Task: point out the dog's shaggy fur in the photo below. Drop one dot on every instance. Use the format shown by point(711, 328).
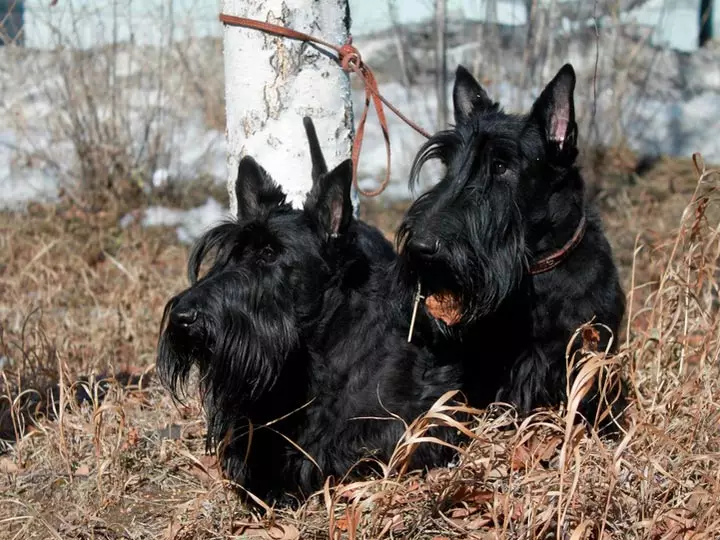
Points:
point(303, 360)
point(511, 196)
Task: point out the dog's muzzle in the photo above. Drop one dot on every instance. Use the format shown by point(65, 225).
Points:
point(423, 248)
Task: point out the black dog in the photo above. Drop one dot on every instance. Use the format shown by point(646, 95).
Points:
point(294, 333)
point(511, 258)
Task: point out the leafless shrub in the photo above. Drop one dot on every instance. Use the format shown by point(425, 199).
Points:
point(104, 119)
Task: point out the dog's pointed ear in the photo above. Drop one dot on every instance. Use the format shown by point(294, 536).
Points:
point(255, 190)
point(554, 111)
point(329, 200)
point(468, 95)
point(316, 156)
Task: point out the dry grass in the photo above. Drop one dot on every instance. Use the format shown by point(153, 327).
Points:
point(79, 296)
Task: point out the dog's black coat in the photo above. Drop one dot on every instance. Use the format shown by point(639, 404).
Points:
point(295, 321)
point(510, 196)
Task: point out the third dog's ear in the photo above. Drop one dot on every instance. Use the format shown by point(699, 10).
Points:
point(329, 200)
point(554, 111)
point(468, 96)
point(316, 156)
point(256, 192)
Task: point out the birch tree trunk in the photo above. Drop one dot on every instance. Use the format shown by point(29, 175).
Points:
point(272, 82)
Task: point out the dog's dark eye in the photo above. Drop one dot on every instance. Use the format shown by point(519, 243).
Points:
point(267, 254)
point(499, 168)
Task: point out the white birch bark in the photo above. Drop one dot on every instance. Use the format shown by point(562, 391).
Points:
point(272, 82)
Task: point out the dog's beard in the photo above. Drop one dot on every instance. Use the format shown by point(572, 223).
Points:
point(492, 278)
point(465, 285)
point(237, 366)
point(246, 359)
point(176, 355)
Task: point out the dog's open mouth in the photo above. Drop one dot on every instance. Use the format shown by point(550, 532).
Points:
point(445, 307)
point(442, 306)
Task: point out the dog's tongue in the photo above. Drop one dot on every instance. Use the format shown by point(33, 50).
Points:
point(444, 307)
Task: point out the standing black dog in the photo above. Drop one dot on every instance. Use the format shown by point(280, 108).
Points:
point(296, 340)
point(508, 253)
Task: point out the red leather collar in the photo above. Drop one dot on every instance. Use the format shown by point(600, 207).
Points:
point(555, 258)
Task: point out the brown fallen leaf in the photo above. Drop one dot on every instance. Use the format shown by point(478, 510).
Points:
point(8, 466)
point(467, 493)
point(173, 531)
point(477, 523)
point(82, 470)
point(395, 523)
point(341, 524)
point(274, 532)
point(520, 458)
point(535, 450)
point(590, 338)
point(460, 512)
point(203, 468)
point(545, 450)
point(132, 438)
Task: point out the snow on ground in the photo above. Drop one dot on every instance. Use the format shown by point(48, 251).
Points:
point(20, 185)
point(189, 224)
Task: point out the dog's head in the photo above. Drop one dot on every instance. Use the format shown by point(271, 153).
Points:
point(241, 320)
point(468, 240)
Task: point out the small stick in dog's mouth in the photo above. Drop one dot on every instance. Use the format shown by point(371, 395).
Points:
point(416, 304)
point(440, 306)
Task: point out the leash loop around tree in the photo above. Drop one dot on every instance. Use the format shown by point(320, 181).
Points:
point(349, 59)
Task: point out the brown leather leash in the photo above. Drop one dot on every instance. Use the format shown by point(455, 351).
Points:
point(349, 59)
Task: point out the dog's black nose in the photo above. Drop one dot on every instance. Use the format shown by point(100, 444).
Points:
point(183, 316)
point(424, 246)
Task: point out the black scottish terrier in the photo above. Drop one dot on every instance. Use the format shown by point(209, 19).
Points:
point(508, 253)
point(301, 357)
